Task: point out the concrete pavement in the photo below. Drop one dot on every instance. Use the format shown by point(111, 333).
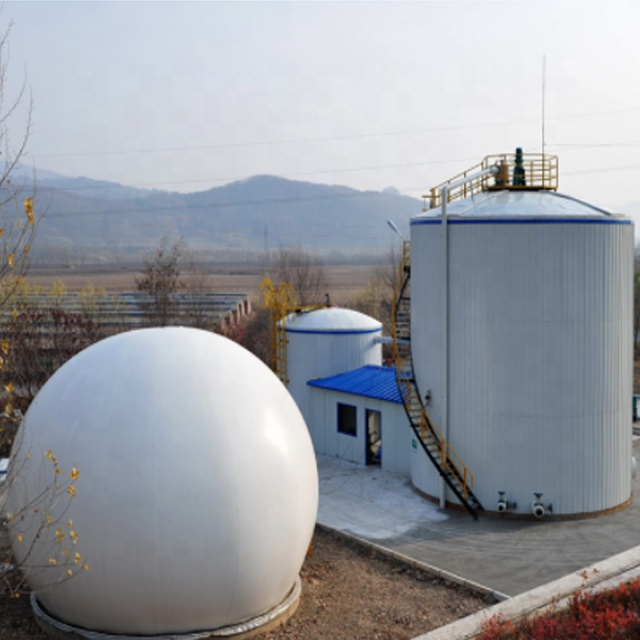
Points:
point(504, 556)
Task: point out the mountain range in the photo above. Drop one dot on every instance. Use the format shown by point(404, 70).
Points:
point(93, 221)
point(90, 220)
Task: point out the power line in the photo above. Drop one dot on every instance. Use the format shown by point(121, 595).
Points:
point(627, 167)
point(596, 145)
point(261, 143)
point(356, 136)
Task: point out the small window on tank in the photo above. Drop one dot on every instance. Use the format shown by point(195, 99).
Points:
point(347, 419)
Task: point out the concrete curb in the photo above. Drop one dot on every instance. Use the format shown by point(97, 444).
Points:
point(602, 575)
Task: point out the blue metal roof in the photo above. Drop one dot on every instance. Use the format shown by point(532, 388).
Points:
point(370, 381)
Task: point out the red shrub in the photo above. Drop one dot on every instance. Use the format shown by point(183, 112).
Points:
point(611, 615)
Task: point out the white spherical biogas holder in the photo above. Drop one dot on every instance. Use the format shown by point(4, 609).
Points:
point(195, 483)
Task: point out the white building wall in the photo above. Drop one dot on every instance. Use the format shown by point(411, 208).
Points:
point(396, 432)
point(396, 438)
point(540, 361)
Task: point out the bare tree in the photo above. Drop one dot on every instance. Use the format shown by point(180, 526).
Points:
point(196, 287)
point(41, 340)
point(17, 228)
point(18, 219)
point(255, 335)
point(17, 206)
point(376, 299)
point(304, 272)
point(159, 282)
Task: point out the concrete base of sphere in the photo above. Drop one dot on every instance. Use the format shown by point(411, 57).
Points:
point(247, 629)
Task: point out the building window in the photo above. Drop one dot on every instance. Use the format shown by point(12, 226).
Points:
point(347, 419)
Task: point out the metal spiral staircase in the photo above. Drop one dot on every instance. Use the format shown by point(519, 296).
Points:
point(438, 450)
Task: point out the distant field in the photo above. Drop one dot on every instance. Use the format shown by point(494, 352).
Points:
point(345, 280)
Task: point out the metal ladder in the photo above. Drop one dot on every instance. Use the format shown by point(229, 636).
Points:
point(439, 451)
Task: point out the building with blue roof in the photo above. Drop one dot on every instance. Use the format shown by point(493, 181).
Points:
point(358, 416)
point(349, 401)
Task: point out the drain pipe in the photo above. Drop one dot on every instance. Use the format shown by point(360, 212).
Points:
point(445, 336)
point(492, 170)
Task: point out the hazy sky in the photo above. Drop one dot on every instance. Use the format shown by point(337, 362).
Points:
point(189, 95)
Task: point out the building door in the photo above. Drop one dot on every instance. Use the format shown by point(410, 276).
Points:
point(374, 436)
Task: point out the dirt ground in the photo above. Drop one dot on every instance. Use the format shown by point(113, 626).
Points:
point(348, 593)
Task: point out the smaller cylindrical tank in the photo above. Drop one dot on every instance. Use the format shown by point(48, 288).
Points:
point(325, 342)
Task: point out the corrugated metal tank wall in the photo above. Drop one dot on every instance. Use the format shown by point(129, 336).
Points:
point(326, 342)
point(540, 355)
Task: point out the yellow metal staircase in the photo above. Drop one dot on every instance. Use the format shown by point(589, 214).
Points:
point(438, 450)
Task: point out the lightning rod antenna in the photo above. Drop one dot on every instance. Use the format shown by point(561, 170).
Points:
point(544, 79)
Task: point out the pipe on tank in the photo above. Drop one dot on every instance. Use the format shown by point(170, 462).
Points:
point(504, 504)
point(537, 507)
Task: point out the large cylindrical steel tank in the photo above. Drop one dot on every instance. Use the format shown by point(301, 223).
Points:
point(325, 342)
point(522, 307)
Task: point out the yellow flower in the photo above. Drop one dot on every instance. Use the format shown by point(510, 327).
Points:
point(10, 260)
point(71, 490)
point(59, 536)
point(85, 567)
point(74, 536)
point(9, 387)
point(53, 561)
point(70, 524)
point(49, 454)
point(74, 473)
point(19, 537)
point(69, 572)
point(4, 346)
point(77, 557)
point(48, 518)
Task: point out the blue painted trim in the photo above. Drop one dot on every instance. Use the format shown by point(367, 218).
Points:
point(520, 221)
point(351, 332)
